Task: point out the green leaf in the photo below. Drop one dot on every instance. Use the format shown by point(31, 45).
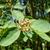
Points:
point(48, 10)
point(27, 49)
point(9, 24)
point(17, 14)
point(40, 25)
point(25, 39)
point(43, 36)
point(2, 6)
point(10, 38)
point(2, 32)
point(28, 34)
point(18, 6)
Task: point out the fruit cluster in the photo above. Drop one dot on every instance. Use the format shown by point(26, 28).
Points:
point(24, 25)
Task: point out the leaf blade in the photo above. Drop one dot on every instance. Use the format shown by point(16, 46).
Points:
point(40, 25)
point(10, 38)
point(43, 36)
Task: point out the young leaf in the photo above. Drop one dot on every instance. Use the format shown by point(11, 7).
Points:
point(10, 38)
point(28, 34)
point(25, 39)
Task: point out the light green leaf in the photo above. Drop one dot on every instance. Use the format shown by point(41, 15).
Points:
point(18, 6)
point(28, 34)
point(40, 25)
point(10, 38)
point(48, 10)
point(27, 49)
point(18, 15)
point(2, 6)
point(9, 24)
point(25, 39)
point(43, 36)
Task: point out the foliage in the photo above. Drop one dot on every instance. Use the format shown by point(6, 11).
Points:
point(15, 26)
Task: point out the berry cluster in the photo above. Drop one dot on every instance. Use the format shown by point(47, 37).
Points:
point(24, 25)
